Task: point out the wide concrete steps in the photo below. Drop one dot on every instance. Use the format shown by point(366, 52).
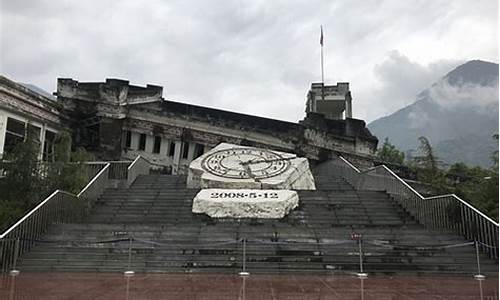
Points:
point(314, 238)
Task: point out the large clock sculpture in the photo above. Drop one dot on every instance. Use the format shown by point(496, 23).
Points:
point(237, 167)
point(245, 163)
point(248, 182)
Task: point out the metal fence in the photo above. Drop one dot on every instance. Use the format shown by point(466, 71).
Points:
point(92, 168)
point(59, 207)
point(62, 207)
point(445, 212)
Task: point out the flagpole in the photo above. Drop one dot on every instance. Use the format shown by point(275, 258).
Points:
point(322, 72)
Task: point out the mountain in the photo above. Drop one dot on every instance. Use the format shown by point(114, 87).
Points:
point(458, 114)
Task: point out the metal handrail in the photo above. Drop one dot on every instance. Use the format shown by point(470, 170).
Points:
point(140, 166)
point(59, 207)
point(18, 239)
point(432, 197)
point(450, 212)
point(32, 212)
point(98, 175)
point(349, 164)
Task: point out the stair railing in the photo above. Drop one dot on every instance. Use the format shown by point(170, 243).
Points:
point(59, 207)
point(140, 166)
point(444, 212)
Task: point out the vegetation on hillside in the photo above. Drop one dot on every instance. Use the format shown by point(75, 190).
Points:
point(390, 154)
point(476, 185)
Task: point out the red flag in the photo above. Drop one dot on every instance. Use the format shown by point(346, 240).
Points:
point(321, 37)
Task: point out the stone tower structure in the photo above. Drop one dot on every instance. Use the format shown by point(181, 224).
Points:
point(330, 101)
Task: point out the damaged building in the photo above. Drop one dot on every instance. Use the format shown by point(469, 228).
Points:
point(22, 109)
point(117, 121)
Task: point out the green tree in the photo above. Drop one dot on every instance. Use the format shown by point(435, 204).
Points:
point(494, 155)
point(28, 181)
point(477, 186)
point(21, 187)
point(22, 181)
point(426, 166)
point(389, 153)
point(67, 171)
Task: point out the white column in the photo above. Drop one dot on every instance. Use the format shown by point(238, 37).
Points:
point(134, 140)
point(164, 146)
point(149, 144)
point(42, 141)
point(3, 129)
point(177, 157)
point(348, 106)
point(191, 152)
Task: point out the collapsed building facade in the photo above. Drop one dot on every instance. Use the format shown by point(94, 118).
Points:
point(117, 121)
point(21, 109)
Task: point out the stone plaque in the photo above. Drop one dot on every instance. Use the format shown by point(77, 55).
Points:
point(245, 203)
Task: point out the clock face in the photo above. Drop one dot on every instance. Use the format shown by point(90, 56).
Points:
point(245, 163)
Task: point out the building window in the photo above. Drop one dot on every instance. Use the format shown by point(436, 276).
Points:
point(142, 142)
point(128, 139)
point(14, 134)
point(34, 133)
point(171, 149)
point(48, 146)
point(157, 145)
point(198, 150)
point(185, 150)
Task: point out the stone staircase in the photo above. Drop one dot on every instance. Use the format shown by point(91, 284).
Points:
point(314, 238)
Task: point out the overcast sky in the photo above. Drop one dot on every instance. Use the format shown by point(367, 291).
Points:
point(256, 57)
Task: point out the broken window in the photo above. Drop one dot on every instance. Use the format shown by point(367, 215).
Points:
point(185, 150)
point(48, 146)
point(34, 132)
point(171, 149)
point(157, 145)
point(198, 150)
point(14, 134)
point(142, 142)
point(128, 139)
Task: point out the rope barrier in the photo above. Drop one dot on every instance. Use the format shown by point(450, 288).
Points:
point(190, 244)
point(76, 241)
point(379, 243)
point(338, 242)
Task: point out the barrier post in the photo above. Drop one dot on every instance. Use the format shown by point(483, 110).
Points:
point(244, 264)
point(358, 237)
point(15, 271)
point(129, 272)
point(478, 276)
point(12, 290)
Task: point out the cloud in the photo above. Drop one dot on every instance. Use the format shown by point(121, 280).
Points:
point(472, 96)
point(400, 80)
point(246, 55)
point(418, 118)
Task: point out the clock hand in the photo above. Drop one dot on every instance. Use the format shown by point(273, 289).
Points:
point(248, 170)
point(267, 160)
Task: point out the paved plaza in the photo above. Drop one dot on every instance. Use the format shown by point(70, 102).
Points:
point(220, 287)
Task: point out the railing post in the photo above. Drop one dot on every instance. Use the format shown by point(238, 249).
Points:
point(478, 276)
point(244, 264)
point(129, 271)
point(362, 287)
point(15, 271)
point(12, 291)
